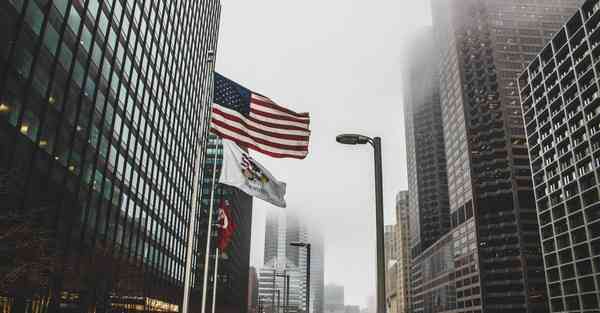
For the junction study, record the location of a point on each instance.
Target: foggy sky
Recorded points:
(340, 60)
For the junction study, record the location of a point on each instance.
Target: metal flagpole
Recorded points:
(188, 259)
(209, 232)
(214, 299)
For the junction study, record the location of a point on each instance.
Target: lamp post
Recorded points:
(286, 289)
(307, 246)
(355, 139)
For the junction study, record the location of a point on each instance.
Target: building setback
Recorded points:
(490, 260)
(561, 109)
(102, 110)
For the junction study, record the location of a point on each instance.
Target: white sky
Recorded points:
(340, 60)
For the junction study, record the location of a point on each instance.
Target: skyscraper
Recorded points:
(402, 252)
(391, 269)
(561, 109)
(283, 228)
(427, 181)
(489, 260)
(102, 110)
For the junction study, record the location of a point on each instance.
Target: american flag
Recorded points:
(256, 122)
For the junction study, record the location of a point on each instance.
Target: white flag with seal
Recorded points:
(240, 170)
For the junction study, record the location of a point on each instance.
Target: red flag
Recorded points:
(225, 224)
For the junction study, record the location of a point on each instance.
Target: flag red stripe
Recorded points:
(256, 148)
(303, 147)
(262, 131)
(277, 117)
(272, 105)
(272, 125)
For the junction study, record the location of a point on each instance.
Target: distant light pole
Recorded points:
(307, 246)
(355, 139)
(286, 289)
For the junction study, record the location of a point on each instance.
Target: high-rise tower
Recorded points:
(489, 261)
(561, 107)
(427, 180)
(103, 107)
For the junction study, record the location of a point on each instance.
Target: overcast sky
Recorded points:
(341, 61)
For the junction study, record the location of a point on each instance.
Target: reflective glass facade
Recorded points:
(103, 105)
(427, 179)
(561, 108)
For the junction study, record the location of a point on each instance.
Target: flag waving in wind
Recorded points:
(240, 170)
(254, 121)
(226, 226)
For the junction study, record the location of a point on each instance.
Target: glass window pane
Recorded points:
(103, 23)
(86, 39)
(61, 5)
(34, 17)
(51, 39)
(74, 20)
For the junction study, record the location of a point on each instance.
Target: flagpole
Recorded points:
(214, 299)
(209, 231)
(188, 257)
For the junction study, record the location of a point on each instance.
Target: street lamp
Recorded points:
(286, 288)
(307, 246)
(356, 139)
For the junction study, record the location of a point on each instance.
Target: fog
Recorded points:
(340, 60)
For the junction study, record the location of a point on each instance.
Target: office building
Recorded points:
(352, 309)
(561, 109)
(283, 228)
(489, 260)
(427, 181)
(317, 269)
(402, 252)
(334, 299)
(103, 111)
(253, 306)
(391, 270)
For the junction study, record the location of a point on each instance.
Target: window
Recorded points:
(51, 39)
(34, 17)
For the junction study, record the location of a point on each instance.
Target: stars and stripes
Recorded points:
(256, 122)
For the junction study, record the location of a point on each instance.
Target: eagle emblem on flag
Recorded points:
(252, 171)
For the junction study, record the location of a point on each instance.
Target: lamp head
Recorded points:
(352, 139)
(298, 244)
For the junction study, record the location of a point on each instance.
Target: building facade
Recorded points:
(334, 299)
(489, 260)
(391, 269)
(403, 252)
(427, 180)
(561, 110)
(103, 108)
(352, 309)
(317, 269)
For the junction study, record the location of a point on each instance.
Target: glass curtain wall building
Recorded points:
(102, 110)
(489, 261)
(561, 109)
(428, 184)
